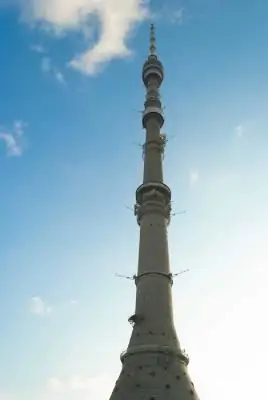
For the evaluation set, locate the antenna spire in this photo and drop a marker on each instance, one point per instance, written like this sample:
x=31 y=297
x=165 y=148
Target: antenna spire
x=152 y=41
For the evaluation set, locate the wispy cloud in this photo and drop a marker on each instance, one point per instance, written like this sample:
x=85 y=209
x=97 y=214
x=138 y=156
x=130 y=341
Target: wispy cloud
x=194 y=177
x=46 y=64
x=39 y=307
x=59 y=77
x=13 y=138
x=239 y=130
x=37 y=48
x=178 y=16
x=116 y=17
x=174 y=15
x=47 y=67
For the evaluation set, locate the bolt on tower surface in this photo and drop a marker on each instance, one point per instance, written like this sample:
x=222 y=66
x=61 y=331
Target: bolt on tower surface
x=154 y=367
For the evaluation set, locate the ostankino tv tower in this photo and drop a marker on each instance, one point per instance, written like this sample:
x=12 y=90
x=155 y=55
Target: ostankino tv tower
x=154 y=367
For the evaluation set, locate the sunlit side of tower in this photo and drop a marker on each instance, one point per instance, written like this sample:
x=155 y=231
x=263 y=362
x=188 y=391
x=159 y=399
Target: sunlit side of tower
x=153 y=367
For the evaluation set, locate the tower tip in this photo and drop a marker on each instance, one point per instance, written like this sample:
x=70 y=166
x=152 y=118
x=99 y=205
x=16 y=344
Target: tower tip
x=152 y=40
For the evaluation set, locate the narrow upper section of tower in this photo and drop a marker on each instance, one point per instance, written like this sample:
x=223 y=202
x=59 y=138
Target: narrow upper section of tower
x=152 y=68
x=152 y=41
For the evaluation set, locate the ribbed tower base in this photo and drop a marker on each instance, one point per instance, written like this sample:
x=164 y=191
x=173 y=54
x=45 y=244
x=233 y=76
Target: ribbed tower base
x=155 y=375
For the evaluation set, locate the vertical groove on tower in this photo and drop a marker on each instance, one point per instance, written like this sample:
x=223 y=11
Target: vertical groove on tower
x=153 y=367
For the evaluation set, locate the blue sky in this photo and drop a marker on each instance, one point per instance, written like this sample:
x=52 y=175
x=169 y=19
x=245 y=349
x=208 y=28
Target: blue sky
x=70 y=162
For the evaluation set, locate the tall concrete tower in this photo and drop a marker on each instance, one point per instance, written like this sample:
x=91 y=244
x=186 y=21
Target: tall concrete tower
x=154 y=367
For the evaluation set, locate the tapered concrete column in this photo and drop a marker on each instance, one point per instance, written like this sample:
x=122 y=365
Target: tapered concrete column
x=153 y=366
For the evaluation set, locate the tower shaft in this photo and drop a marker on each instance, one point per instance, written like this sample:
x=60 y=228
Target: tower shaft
x=153 y=367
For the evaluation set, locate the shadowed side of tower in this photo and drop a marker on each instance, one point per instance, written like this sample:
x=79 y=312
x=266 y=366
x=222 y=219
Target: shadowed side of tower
x=153 y=367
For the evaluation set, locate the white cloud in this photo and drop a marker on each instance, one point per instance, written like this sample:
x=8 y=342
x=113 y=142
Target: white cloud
x=47 y=67
x=19 y=127
x=13 y=138
x=37 y=48
x=239 y=130
x=59 y=77
x=11 y=144
x=178 y=16
x=38 y=306
x=194 y=178
x=46 y=64
x=116 y=17
x=170 y=14
x=55 y=384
